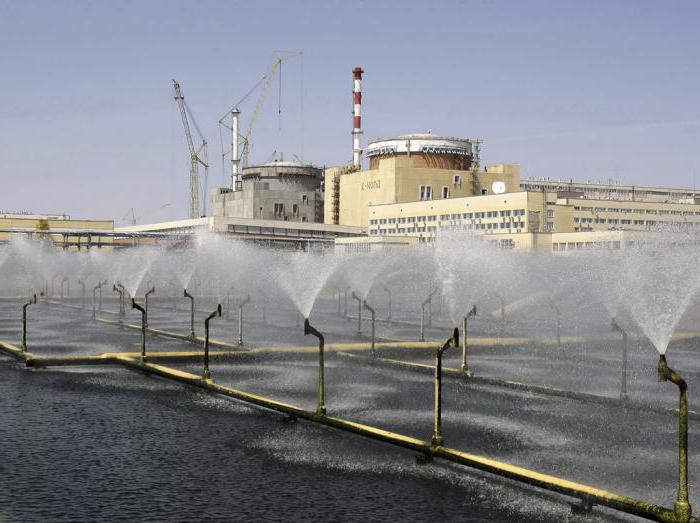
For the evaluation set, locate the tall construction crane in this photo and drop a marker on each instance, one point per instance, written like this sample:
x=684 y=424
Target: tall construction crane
x=198 y=155
x=237 y=163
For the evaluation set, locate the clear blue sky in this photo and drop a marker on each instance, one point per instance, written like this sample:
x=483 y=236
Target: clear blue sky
x=568 y=89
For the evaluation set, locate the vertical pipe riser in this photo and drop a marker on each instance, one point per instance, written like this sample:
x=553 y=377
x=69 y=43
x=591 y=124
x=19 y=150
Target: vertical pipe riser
x=436 y=440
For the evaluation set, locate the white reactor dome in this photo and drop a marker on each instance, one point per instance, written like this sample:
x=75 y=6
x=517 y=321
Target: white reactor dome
x=425 y=143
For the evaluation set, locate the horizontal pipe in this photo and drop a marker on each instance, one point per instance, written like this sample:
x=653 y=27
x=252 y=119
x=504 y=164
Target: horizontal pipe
x=520 y=474
x=423 y=368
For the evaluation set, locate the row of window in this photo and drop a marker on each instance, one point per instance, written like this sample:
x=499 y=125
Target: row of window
x=617 y=221
x=443 y=217
x=637 y=211
x=518 y=226
x=571 y=246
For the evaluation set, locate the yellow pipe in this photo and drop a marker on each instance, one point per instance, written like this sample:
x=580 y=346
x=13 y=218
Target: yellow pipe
x=437 y=425
x=523 y=475
x=682 y=508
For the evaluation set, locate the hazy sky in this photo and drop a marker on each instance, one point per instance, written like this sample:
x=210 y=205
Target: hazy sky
x=589 y=90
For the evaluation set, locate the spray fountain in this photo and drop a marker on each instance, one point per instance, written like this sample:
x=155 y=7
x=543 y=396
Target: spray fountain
x=388 y=292
x=623 y=371
x=191 y=334
x=371 y=311
x=425 y=303
x=654 y=287
x=95 y=289
x=145 y=299
x=242 y=304
x=119 y=289
x=359 y=313
x=32 y=301
x=321 y=403
x=682 y=507
x=464 y=367
x=144 y=324
x=65 y=280
x=453 y=341
x=216 y=314
x=82 y=293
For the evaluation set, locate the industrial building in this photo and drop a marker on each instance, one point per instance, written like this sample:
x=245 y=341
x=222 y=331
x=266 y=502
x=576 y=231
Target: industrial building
x=529 y=219
x=413 y=167
x=61 y=229
x=264 y=232
x=284 y=191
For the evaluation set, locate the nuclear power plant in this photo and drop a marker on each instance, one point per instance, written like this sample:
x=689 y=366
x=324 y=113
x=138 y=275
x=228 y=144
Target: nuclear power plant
x=400 y=190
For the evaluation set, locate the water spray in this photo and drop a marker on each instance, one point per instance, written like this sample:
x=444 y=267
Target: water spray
x=216 y=314
x=32 y=301
x=100 y=294
x=682 y=509
x=174 y=297
x=82 y=293
x=66 y=281
x=308 y=329
x=240 y=318
x=503 y=314
x=371 y=311
x=94 y=292
x=436 y=440
x=558 y=313
x=388 y=291
x=53 y=284
x=465 y=368
x=117 y=288
x=359 y=313
x=188 y=295
x=122 y=301
x=340 y=301
x=427 y=301
x=264 y=306
x=144 y=324
x=148 y=293
x=623 y=377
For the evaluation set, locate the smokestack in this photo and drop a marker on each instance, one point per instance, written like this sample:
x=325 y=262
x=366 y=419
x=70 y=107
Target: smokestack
x=356 y=117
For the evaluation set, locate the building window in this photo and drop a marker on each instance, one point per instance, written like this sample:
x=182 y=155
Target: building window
x=295 y=209
x=426 y=192
x=484 y=191
x=458 y=180
x=304 y=199
x=278 y=209
x=445 y=192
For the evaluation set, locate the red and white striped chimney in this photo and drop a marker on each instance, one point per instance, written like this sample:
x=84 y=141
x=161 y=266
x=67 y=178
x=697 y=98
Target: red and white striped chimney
x=356 y=117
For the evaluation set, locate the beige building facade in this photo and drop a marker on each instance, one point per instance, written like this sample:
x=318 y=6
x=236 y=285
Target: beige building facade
x=412 y=168
x=62 y=230
x=534 y=220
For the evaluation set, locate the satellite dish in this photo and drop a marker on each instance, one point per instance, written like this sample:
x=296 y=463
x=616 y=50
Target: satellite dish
x=498 y=187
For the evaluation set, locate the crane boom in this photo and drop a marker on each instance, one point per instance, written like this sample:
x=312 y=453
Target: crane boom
x=198 y=156
x=180 y=99
x=268 y=78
